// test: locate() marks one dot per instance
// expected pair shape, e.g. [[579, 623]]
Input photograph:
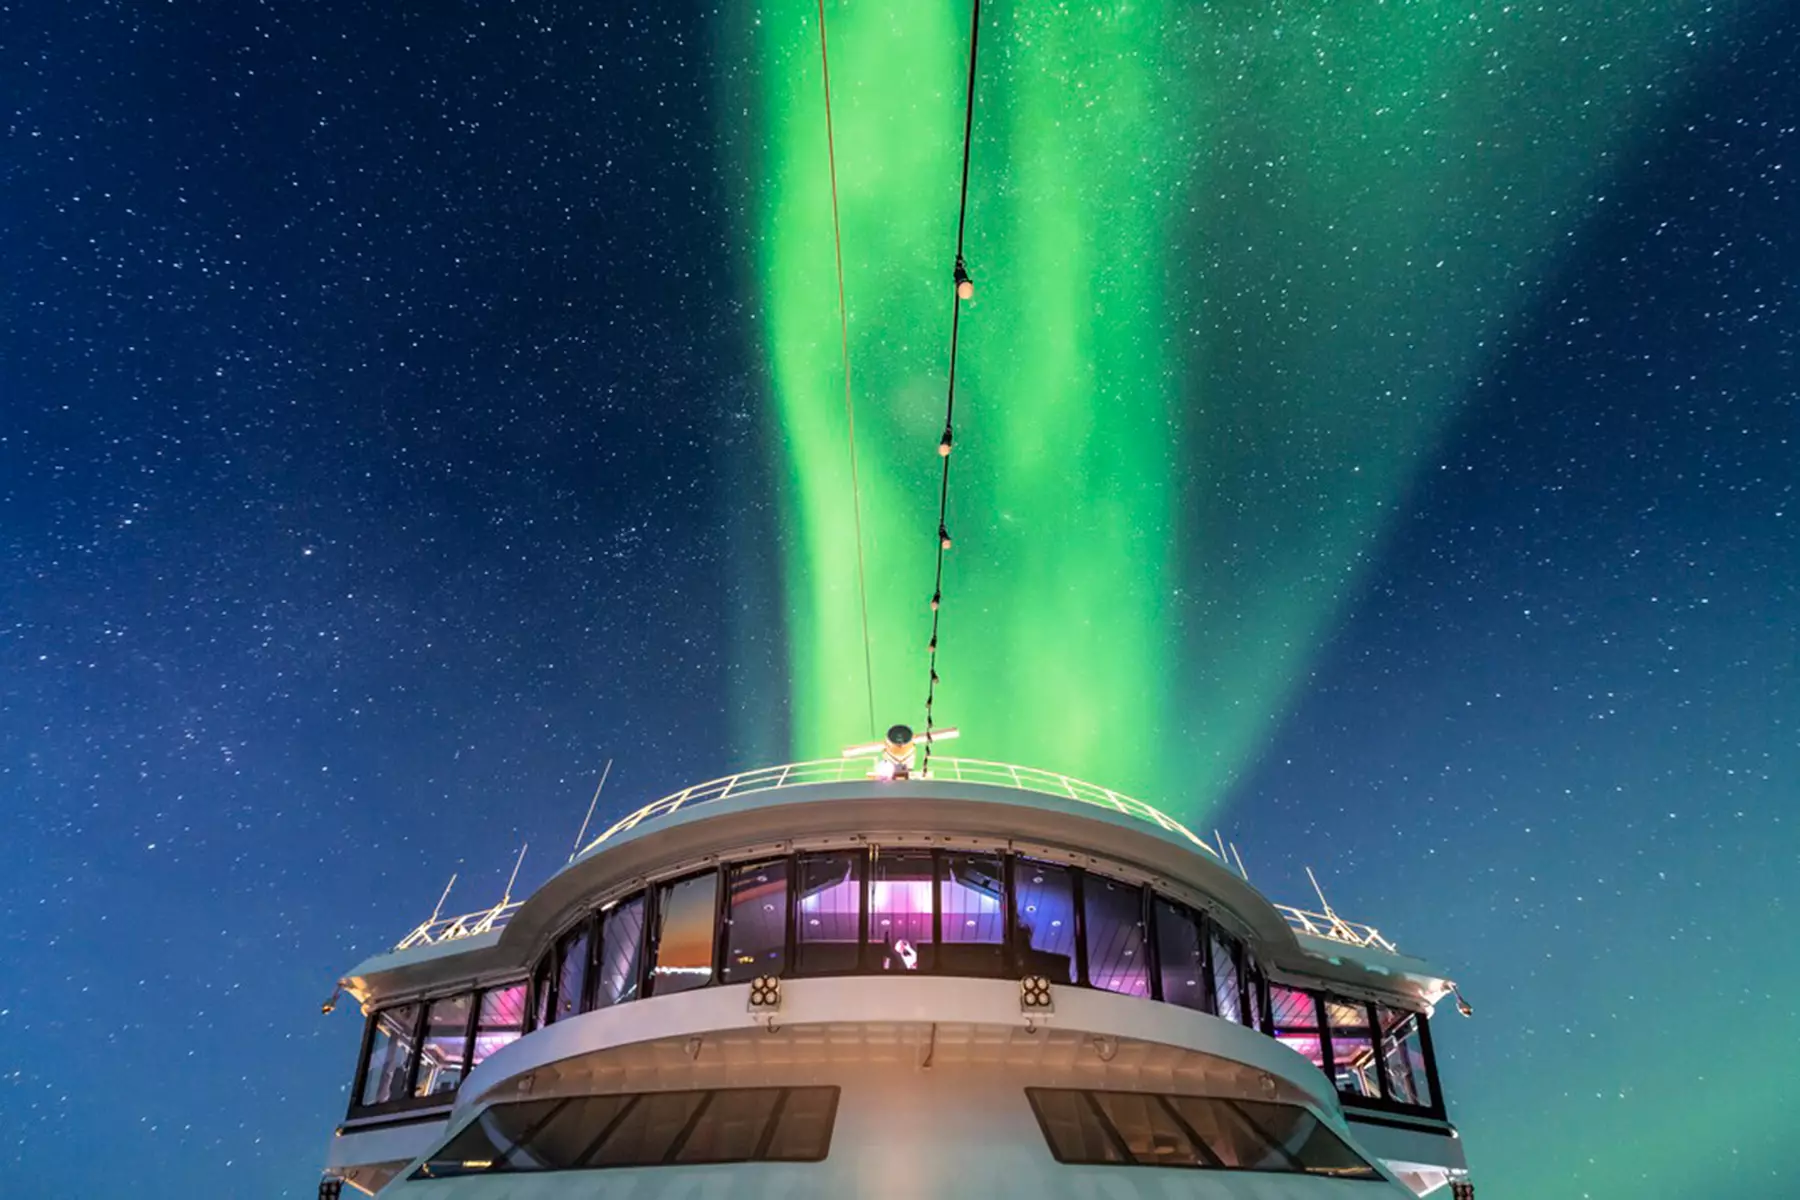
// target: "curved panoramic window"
[[1295, 1022], [1181, 957], [500, 1023], [686, 918], [572, 972], [1044, 907], [643, 1129], [388, 1076], [445, 1047], [1405, 1071], [828, 913], [755, 921], [621, 951], [1114, 926], [972, 902], [1352, 1050], [540, 992], [1100, 1128], [895, 911], [902, 933], [1228, 997]]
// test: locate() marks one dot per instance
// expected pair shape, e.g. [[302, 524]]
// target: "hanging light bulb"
[[944, 443], [933, 644], [934, 675], [965, 287], [943, 537], [937, 598]]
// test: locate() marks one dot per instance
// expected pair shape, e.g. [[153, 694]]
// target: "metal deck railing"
[[1334, 928], [1327, 925], [943, 769], [450, 929]]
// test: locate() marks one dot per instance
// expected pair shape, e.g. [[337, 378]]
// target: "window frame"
[[1385, 1104], [471, 1030], [1255, 984]]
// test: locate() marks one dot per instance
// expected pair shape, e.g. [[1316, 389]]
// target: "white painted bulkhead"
[[932, 1073]]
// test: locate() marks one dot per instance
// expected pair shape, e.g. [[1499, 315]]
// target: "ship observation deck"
[[1326, 925], [1036, 976]]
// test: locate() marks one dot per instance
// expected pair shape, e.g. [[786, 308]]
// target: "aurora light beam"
[[1237, 267]]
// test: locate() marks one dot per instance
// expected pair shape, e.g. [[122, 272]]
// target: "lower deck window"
[[644, 1129], [1144, 1129]]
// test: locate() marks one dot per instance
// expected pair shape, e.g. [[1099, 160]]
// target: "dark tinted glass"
[[540, 990], [1149, 1130], [1112, 1128], [641, 1130], [446, 1040], [1225, 977], [1255, 993], [1183, 962], [732, 1126], [1230, 1137], [568, 1137], [803, 1130], [648, 1132], [571, 973], [1115, 936], [1314, 1147], [391, 1054], [685, 916], [1403, 1071], [900, 916], [484, 1143], [828, 912], [1046, 916], [756, 921], [621, 948], [1073, 1127]]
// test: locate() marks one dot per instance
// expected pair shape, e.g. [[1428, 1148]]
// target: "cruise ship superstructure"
[[807, 982]]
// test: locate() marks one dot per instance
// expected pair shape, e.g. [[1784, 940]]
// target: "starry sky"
[[1377, 441]]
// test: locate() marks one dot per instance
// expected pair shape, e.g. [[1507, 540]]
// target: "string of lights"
[[837, 237], [964, 290]]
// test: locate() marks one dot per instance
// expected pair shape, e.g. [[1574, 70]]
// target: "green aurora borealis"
[[1237, 268]]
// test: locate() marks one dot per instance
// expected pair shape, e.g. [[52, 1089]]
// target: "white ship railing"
[[1327, 925], [943, 769], [1334, 928], [450, 929]]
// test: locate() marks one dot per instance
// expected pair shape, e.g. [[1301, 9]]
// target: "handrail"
[[1334, 928], [450, 929], [943, 769], [1328, 926]]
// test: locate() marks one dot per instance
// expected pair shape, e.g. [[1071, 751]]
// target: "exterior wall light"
[[1462, 1189], [765, 995], [331, 1188]]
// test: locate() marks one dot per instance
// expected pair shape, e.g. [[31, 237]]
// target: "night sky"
[[408, 409]]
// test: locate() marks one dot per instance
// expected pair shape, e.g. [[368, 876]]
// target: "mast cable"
[[944, 445], [837, 238]]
